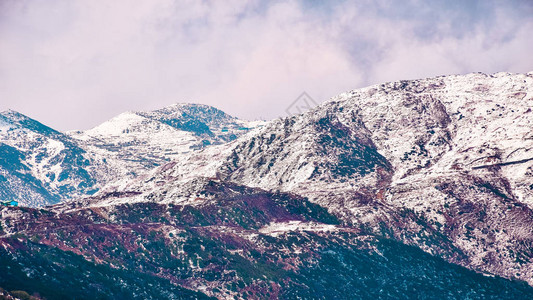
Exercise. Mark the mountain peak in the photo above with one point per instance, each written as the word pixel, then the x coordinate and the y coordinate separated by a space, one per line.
pixel 14 115
pixel 20 120
pixel 200 112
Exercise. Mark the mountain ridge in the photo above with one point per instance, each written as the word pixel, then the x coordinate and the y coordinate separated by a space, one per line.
pixel 61 166
pixel 423 193
pixel 435 168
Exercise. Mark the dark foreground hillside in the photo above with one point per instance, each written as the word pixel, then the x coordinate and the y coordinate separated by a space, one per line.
pixel 415 189
pixel 250 245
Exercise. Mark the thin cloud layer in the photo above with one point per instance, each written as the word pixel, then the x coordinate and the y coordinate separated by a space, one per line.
pixel 73 64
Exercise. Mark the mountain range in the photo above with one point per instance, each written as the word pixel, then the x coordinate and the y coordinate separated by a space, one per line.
pixel 409 189
pixel 41 166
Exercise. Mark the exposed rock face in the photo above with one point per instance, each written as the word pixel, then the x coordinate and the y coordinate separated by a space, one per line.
pixel 363 184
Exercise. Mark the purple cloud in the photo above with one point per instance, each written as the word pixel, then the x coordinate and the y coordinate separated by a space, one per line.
pixel 73 64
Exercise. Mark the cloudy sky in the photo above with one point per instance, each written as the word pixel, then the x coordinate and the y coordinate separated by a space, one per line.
pixel 73 64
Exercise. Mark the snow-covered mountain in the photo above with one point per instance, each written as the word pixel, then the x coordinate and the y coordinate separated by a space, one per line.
pixel 148 139
pixel 444 163
pixel 409 179
pixel 41 166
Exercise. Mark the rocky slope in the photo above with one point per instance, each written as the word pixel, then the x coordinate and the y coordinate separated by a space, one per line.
pixel 41 166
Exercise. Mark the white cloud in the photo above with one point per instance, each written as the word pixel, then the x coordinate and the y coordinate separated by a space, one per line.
pixel 73 64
